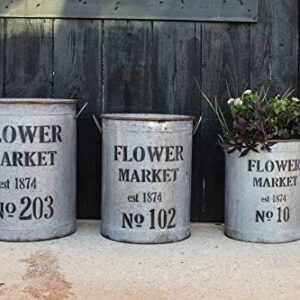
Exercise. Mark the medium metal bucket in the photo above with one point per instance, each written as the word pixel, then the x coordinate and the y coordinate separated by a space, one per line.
pixel 262 194
pixel 146 177
pixel 37 169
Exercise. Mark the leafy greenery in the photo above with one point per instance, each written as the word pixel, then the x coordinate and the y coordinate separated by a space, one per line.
pixel 258 121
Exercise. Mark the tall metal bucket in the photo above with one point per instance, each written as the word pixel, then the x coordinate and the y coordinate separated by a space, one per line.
pixel 262 194
pixel 146 177
pixel 37 169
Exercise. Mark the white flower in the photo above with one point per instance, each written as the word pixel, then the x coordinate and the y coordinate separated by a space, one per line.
pixel 277 97
pixel 247 92
pixel 231 100
pixel 295 99
pixel 238 101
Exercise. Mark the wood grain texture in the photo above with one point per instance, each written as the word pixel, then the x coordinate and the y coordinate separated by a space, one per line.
pixel 196 10
pixel 2 56
pixel 176 55
pixel 274 47
pixel 77 69
pixel 196 160
pixel 176 66
pixel 223 63
pixel 127 66
pixel 28 58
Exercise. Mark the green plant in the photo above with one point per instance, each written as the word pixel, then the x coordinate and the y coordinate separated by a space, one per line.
pixel 258 121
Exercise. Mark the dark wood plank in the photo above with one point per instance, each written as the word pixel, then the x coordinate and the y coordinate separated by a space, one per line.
pixel 77 69
pixel 2 56
pixel 28 58
pixel 274 46
pixel 196 161
pixel 176 65
pixel 127 66
pixel 196 10
pixel 225 59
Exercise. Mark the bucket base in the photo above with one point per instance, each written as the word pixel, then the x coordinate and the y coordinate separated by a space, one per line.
pixel 145 237
pixel 37 235
pixel 259 237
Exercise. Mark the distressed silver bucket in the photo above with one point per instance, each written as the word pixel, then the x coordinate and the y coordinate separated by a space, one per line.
pixel 262 197
pixel 146 177
pixel 37 169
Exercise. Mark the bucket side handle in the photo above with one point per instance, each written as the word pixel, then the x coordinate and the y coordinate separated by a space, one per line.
pixel 98 124
pixel 81 110
pixel 197 124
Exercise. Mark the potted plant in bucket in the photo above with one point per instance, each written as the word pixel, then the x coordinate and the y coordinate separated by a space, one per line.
pixel 262 172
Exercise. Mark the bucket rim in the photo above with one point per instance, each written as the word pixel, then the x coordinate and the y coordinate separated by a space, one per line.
pixel 275 142
pixel 147 117
pixel 278 143
pixel 40 101
pixel 294 140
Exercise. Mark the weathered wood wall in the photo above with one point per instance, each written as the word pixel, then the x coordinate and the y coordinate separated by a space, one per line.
pixel 187 10
pixel 150 66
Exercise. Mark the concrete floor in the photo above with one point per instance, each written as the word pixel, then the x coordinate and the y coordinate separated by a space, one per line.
pixel 206 266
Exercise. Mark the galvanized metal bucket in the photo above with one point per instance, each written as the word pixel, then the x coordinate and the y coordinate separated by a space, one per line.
pixel 146 177
pixel 37 169
pixel 262 194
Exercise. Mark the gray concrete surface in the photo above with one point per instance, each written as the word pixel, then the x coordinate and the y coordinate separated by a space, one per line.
pixel 206 266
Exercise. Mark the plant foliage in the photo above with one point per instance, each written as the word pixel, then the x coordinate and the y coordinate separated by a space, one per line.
pixel 258 121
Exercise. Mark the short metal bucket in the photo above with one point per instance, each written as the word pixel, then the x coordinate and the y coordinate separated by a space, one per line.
pixel 37 169
pixel 262 197
pixel 146 177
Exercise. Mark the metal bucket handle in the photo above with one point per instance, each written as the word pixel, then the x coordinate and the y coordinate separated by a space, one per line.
pixel 195 128
pixel 98 124
pixel 81 110
pixel 197 124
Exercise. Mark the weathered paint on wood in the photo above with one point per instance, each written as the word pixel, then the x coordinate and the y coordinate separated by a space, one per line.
pixel 146 66
pixel 176 48
pixel 28 53
pixel 223 63
pixel 77 75
pixel 196 10
pixel 196 159
pixel 274 46
pixel 127 66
